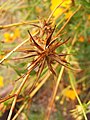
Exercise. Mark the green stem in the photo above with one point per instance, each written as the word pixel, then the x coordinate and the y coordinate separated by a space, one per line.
pixel 73 87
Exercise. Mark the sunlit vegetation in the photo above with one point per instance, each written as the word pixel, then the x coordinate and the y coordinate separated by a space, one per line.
pixel 45 59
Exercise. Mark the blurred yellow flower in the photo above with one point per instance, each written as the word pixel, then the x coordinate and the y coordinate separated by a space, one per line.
pixel 68 14
pixel 88 17
pixel 71 94
pixel 1 56
pixel 81 39
pixel 10 37
pixel 38 9
pixel 17 33
pixel 65 4
pixel 1 81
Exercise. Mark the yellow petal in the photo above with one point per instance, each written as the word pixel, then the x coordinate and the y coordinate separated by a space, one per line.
pixel 1 81
pixel 6 35
pixel 64 5
pixel 9 37
pixel 68 14
pixel 1 56
pixel 70 94
pixel 17 33
pixel 88 17
pixel 81 39
pixel 38 9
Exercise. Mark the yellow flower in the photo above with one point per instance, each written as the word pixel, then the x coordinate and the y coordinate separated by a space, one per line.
pixel 1 56
pixel 38 9
pixel 10 37
pixel 68 14
pixel 1 81
pixel 81 39
pixel 88 17
pixel 17 33
pixel 54 3
pixel 71 94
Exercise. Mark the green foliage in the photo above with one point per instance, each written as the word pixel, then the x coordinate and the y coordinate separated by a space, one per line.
pixel 85 3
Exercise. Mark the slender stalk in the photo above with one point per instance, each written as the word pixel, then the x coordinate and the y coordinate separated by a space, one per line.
pixel 69 86
pixel 68 21
pixel 54 94
pixel 15 49
pixel 18 24
pixel 19 111
pixel 21 86
pixel 17 93
pixel 54 11
pixel 60 14
pixel 46 76
pixel 44 79
pixel 73 87
pixel 56 87
pixel 6 98
pixel 72 79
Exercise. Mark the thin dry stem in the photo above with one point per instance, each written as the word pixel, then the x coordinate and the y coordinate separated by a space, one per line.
pixel 54 94
pixel 27 75
pixel 46 76
pixel 19 111
pixel 57 85
pixel 17 24
pixel 15 49
pixel 21 86
pixel 44 79
pixel 17 93
pixel 6 98
pixel 68 21
pixel 64 11
pixel 54 11
pixel 40 85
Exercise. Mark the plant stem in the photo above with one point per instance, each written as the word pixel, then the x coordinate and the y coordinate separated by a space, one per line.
pixel 44 79
pixel 54 11
pixel 17 24
pixel 46 76
pixel 6 98
pixel 17 93
pixel 54 93
pixel 15 49
pixel 19 111
pixel 68 21
pixel 61 72
pixel 73 87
